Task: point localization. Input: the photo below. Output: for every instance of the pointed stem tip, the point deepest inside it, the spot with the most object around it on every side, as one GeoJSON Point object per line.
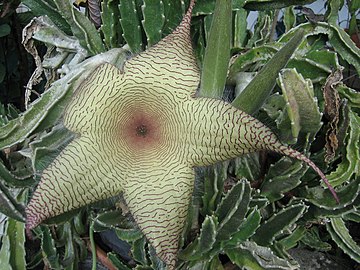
{"type": "Point", "coordinates": [186, 22]}
{"type": "Point", "coordinates": [323, 177]}
{"type": "Point", "coordinates": [287, 151]}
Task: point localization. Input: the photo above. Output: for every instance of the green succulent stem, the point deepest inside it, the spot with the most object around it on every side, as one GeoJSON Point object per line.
{"type": "Point", "coordinates": [217, 52]}
{"type": "Point", "coordinates": [256, 92]}
{"type": "Point", "coordinates": [93, 246]}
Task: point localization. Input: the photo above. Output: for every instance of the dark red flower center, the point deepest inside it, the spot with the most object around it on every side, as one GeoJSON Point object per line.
{"type": "Point", "coordinates": [141, 130]}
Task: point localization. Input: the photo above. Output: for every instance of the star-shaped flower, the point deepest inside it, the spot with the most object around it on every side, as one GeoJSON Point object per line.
{"type": "Point", "coordinates": [141, 131]}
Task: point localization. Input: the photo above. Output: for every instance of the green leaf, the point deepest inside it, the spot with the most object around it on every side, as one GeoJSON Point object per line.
{"type": "Point", "coordinates": [273, 4]}
{"type": "Point", "coordinates": [354, 216]}
{"type": "Point", "coordinates": [4, 30]}
{"type": "Point", "coordinates": [262, 30]}
{"type": "Point", "coordinates": [344, 46]}
{"type": "Point", "coordinates": [251, 256]}
{"type": "Point", "coordinates": [351, 95]}
{"type": "Point", "coordinates": [258, 201]}
{"type": "Point", "coordinates": [247, 59]}
{"type": "Point", "coordinates": [282, 177]}
{"type": "Point", "coordinates": [289, 18]}
{"type": "Point", "coordinates": [338, 38]}
{"type": "Point", "coordinates": [5, 112]}
{"type": "Point", "coordinates": [207, 236]}
{"type": "Point", "coordinates": [301, 105]}
{"type": "Point", "coordinates": [79, 225]}
{"type": "Point", "coordinates": [113, 257]}
{"type": "Point", "coordinates": [81, 27]}
{"type": "Point", "coordinates": [128, 234]}
{"type": "Point", "coordinates": [350, 161]}
{"type": "Point", "coordinates": [9, 205]}
{"type": "Point", "coordinates": [44, 30]}
{"type": "Point", "coordinates": [341, 236]}
{"type": "Point", "coordinates": [323, 59]}
{"type": "Point", "coordinates": [65, 217]}
{"type": "Point", "coordinates": [5, 252]}
{"type": "Point", "coordinates": [247, 229]}
{"type": "Point", "coordinates": [172, 18]}
{"type": "Point", "coordinates": [110, 27]}
{"type": "Point", "coordinates": [322, 197]}
{"type": "Point", "coordinates": [214, 178]}
{"type": "Point", "coordinates": [205, 7]}
{"type": "Point", "coordinates": [82, 249]}
{"type": "Point", "coordinates": [111, 219]}
{"type": "Point", "coordinates": [48, 7]}
{"type": "Point", "coordinates": [277, 223]}
{"type": "Point", "coordinates": [199, 43]}
{"type": "Point", "coordinates": [315, 213]}
{"type": "Point", "coordinates": [48, 146]}
{"type": "Point", "coordinates": [153, 13]}
{"type": "Point", "coordinates": [333, 11]}
{"type": "Point", "coordinates": [48, 247]}
{"type": "Point", "coordinates": [293, 239]}
{"type": "Point", "coordinates": [232, 209]}
{"type": "Point", "coordinates": [131, 25]}
{"type": "Point", "coordinates": [18, 129]}
{"type": "Point", "coordinates": [240, 28]}
{"type": "Point", "coordinates": [216, 264]}
{"type": "Point", "coordinates": [254, 95]}
{"type": "Point", "coordinates": [138, 251]}
{"type": "Point", "coordinates": [354, 6]}
{"type": "Point", "coordinates": [198, 265]}
{"type": "Point", "coordinates": [204, 243]}
{"type": "Point", "coordinates": [312, 239]}
{"type": "Point", "coordinates": [12, 253]}
{"type": "Point", "coordinates": [315, 70]}
{"type": "Point", "coordinates": [69, 256]}
{"type": "Point", "coordinates": [248, 166]}
{"type": "Point", "coordinates": [8, 178]}
{"type": "Point", "coordinates": [217, 52]}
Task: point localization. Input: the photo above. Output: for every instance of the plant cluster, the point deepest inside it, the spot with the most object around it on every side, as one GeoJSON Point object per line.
{"type": "Point", "coordinates": [296, 71]}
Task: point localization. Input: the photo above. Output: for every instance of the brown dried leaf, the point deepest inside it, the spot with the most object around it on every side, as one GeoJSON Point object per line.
{"type": "Point", "coordinates": [28, 43]}
{"type": "Point", "coordinates": [94, 12]}
{"type": "Point", "coordinates": [93, 8]}
{"type": "Point", "coordinates": [332, 106]}
{"type": "Point", "coordinates": [310, 14]}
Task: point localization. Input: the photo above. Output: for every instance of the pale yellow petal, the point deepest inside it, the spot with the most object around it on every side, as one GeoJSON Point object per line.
{"type": "Point", "coordinates": [170, 64]}
{"type": "Point", "coordinates": [218, 131]}
{"type": "Point", "coordinates": [94, 101]}
{"type": "Point", "coordinates": [81, 174]}
{"type": "Point", "coordinates": [158, 198]}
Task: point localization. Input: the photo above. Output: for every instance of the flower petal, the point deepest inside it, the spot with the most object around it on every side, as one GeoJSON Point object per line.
{"type": "Point", "coordinates": [81, 174]}
{"type": "Point", "coordinates": [171, 62]}
{"type": "Point", "coordinates": [219, 131]}
{"type": "Point", "coordinates": [158, 198]}
{"type": "Point", "coordinates": [90, 107]}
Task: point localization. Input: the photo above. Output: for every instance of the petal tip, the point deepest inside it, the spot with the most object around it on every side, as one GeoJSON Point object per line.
{"type": "Point", "coordinates": [32, 219]}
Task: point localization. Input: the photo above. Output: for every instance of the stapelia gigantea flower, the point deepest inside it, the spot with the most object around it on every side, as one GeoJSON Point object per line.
{"type": "Point", "coordinates": [141, 131]}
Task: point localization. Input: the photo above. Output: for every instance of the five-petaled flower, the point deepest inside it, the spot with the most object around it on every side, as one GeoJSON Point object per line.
{"type": "Point", "coordinates": [140, 132]}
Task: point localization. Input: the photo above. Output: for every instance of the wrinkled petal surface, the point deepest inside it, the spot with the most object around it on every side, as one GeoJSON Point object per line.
{"type": "Point", "coordinates": [158, 198]}
{"type": "Point", "coordinates": [80, 175]}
